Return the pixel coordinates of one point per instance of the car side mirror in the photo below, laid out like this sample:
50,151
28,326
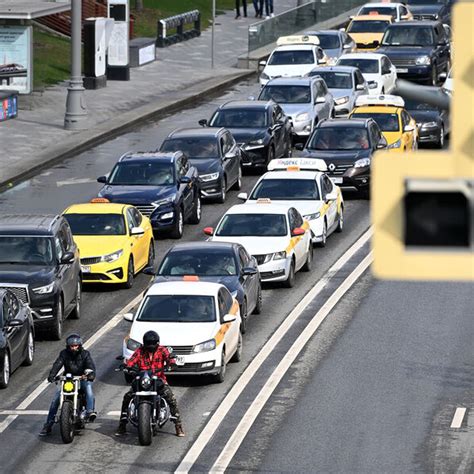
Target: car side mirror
242,196
229,156
331,196
102,179
67,258
376,43
372,85
137,231
404,17
203,122
228,318
382,144
149,271
14,323
443,76
320,100
408,128
252,97
185,180
262,63
343,29
299,146
208,230
360,87
297,231
128,317
247,271
347,46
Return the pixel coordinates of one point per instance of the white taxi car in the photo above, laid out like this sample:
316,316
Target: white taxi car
295,56
275,234
303,183
200,321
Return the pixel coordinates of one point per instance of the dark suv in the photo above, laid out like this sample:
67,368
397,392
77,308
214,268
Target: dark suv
420,50
347,146
39,263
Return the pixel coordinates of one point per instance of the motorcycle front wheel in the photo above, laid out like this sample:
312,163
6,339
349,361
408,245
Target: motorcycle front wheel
144,424
66,422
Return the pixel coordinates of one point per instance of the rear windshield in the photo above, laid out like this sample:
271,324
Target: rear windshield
281,58
286,189
96,224
252,225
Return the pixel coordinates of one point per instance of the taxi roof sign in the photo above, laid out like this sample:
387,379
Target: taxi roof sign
190,278
99,200
297,39
303,164
385,99
264,201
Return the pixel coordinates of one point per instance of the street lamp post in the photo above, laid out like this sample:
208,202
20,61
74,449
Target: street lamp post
76,111
212,32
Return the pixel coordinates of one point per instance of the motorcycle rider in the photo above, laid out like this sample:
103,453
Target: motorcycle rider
152,357
76,361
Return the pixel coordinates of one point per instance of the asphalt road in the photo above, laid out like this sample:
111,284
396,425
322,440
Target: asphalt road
74,181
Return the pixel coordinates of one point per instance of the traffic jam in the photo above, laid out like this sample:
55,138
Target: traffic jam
327,102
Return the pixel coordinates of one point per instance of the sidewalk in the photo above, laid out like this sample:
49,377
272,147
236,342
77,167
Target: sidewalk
181,75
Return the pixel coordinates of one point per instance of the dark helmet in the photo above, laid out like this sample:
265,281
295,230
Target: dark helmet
150,341
73,340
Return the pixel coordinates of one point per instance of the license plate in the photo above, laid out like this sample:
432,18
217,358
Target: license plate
179,360
402,69
85,268
337,180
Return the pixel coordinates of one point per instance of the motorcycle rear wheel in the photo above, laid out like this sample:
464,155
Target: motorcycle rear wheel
66,422
144,424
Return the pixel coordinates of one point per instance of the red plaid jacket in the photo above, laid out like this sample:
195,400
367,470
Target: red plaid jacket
155,362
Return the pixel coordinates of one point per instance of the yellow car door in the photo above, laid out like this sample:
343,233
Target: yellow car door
138,244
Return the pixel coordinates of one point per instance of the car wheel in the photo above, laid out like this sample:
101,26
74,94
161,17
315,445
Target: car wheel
196,214
57,328
130,274
178,228
290,281
5,373
237,357
220,377
222,196
76,312
309,259
30,349
324,236
244,316
259,304
238,184
340,221
440,142
151,254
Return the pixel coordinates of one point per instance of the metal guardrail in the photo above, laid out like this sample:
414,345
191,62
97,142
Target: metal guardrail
177,23
304,16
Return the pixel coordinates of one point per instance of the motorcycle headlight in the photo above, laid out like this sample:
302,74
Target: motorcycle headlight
429,125
279,255
160,202
132,345
111,257
264,76
396,144
68,386
304,117
145,383
44,290
423,61
342,100
209,177
362,163
311,217
205,346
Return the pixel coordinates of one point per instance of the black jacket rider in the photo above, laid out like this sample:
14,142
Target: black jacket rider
74,363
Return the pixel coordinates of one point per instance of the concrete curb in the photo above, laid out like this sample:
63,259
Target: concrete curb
82,141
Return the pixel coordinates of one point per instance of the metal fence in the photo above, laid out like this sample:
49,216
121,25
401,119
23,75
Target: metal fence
304,16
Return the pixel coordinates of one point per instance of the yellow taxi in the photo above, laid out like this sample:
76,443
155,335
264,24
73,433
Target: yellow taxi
115,241
367,30
396,124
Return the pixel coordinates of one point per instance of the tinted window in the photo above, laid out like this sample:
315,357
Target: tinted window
258,225
372,26
335,80
26,250
193,147
142,174
178,308
425,2
366,66
96,224
286,94
286,190
136,216
339,138
328,41
281,58
240,118
408,36
225,302
386,122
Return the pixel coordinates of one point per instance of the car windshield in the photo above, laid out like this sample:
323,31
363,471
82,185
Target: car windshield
96,224
178,309
240,118
386,122
26,250
252,225
339,138
379,11
366,66
368,26
286,189
327,41
408,36
287,58
142,174
193,147
425,2
201,262
286,94
335,80
411,104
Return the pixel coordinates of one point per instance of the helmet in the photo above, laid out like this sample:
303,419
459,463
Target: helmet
73,340
150,341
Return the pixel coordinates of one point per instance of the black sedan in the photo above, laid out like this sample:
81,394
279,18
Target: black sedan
260,127
226,263
17,342
433,123
215,155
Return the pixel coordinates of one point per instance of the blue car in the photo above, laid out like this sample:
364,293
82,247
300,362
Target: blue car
162,186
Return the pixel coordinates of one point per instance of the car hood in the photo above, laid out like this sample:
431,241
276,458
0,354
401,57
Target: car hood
98,245
136,195
257,245
285,70
336,93
176,334
303,207
244,135
292,110
230,282
25,274
430,9
206,165
328,156
391,137
405,51
422,116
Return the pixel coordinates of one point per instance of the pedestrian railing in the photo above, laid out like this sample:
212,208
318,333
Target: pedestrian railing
173,29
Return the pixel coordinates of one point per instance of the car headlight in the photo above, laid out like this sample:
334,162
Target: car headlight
132,345
209,177
111,257
396,144
252,143
160,202
264,76
205,346
362,163
234,294
44,290
145,383
342,100
279,255
423,61
311,217
332,61
304,117
429,125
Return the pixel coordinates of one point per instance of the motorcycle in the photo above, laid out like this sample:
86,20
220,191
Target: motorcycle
72,405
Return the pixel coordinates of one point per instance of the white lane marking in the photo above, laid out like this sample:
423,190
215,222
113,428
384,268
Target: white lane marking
207,413
74,181
23,412
91,341
234,393
257,405
114,413
458,417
